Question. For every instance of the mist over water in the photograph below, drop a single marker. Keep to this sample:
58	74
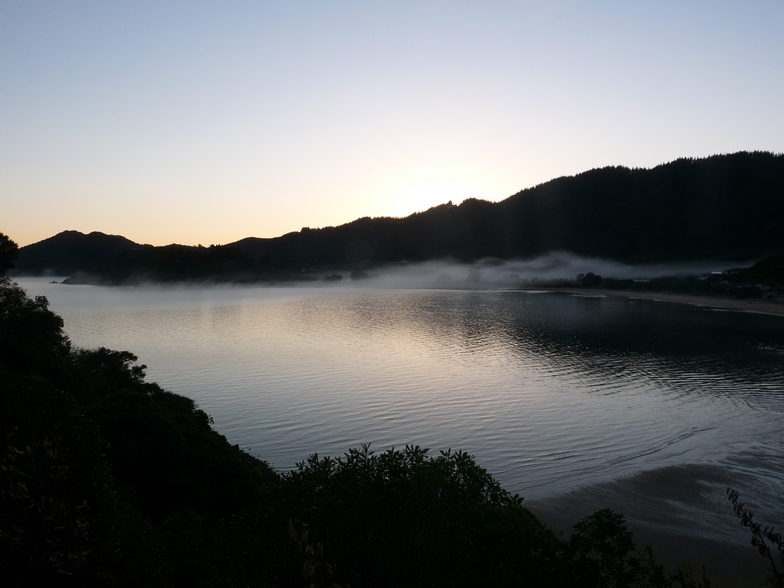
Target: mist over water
557	265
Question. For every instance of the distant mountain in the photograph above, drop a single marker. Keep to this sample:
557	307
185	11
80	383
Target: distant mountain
724	207
69	252
180	263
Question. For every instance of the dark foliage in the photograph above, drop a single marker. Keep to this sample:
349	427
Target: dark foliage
401	518
31	336
768	271
52	467
591	280
762	538
9	251
95	460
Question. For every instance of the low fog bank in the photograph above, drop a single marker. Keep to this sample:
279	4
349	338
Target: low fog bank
551	270
554	268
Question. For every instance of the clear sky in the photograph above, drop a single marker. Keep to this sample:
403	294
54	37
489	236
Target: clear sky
206	122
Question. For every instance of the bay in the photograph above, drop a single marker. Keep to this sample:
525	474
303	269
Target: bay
555	394
551	392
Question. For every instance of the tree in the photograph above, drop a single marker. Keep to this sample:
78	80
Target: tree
403	518
591	280
8	253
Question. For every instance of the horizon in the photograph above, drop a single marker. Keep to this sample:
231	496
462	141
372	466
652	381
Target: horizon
204	123
201	243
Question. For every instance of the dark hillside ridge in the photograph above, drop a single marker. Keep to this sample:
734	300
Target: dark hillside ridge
724	208
180	263
69	252
721	207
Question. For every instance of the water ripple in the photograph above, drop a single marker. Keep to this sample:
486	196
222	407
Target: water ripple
548	391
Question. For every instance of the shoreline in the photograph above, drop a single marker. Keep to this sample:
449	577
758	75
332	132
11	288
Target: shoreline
750	305
682	511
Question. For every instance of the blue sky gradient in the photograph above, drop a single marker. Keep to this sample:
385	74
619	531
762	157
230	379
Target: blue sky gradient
206	122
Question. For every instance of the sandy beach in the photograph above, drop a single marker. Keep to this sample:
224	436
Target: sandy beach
682	512
751	304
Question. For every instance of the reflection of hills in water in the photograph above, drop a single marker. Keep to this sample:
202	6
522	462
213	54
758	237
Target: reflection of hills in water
609	342
680	346
683	384
575	388
549	391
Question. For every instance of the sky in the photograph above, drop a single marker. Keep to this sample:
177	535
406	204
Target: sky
206	122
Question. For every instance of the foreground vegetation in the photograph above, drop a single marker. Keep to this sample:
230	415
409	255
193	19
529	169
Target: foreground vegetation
109	480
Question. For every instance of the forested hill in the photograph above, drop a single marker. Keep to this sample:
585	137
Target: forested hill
71	251
724	207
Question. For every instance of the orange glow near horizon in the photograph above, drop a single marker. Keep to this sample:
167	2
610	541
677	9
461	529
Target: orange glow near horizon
258	119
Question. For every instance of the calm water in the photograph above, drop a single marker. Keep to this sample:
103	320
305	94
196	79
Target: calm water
548	391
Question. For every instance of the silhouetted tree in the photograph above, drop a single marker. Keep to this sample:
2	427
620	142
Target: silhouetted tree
591	280
8	253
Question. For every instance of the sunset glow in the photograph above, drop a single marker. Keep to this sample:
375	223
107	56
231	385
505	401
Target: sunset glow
207	123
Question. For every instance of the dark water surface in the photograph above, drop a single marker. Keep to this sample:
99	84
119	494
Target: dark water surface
550	392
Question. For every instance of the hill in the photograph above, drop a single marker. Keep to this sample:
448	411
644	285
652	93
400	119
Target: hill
71	251
724	207
180	263
112	259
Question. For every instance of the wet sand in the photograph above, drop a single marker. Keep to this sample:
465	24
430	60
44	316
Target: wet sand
683	512
753	304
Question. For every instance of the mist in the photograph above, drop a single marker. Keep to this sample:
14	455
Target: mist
548	269
557	268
